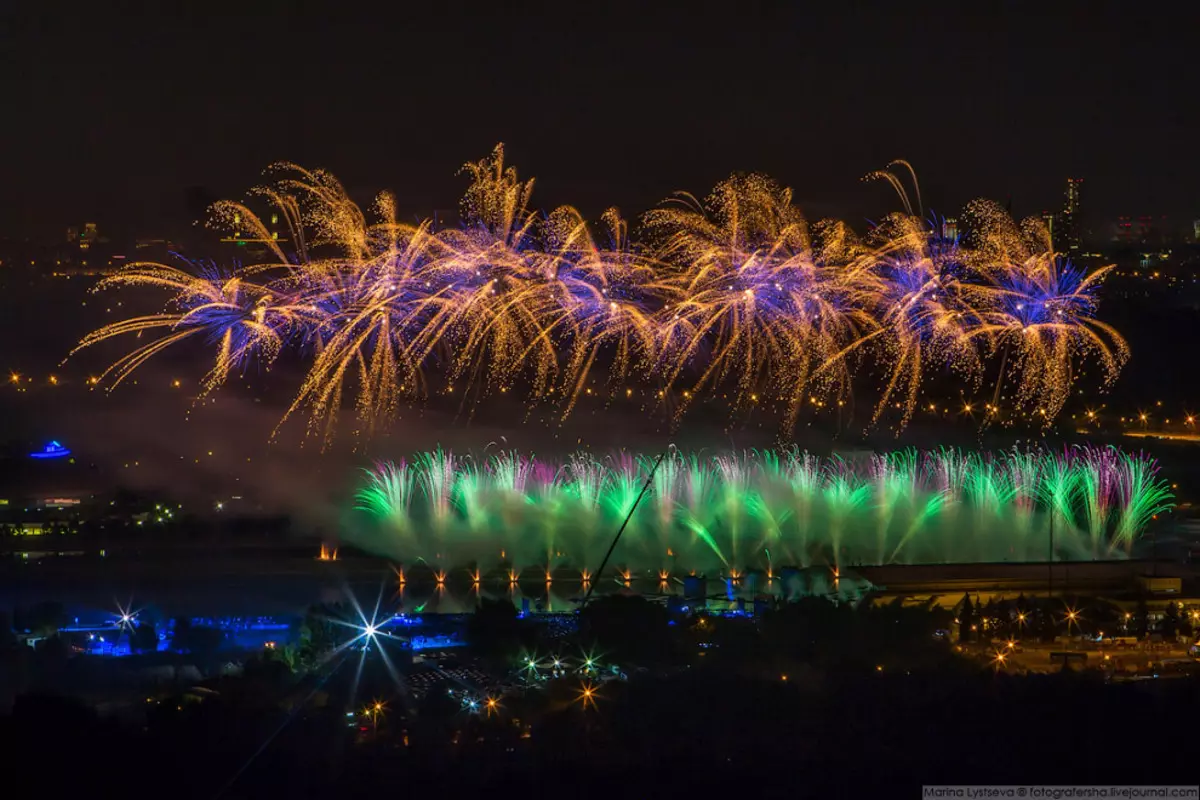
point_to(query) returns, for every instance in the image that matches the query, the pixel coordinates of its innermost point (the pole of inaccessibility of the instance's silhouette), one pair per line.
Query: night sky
(112, 115)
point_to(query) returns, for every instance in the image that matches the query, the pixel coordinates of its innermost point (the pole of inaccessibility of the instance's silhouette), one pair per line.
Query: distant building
(86, 251)
(1072, 221)
(246, 233)
(44, 492)
(1050, 220)
(1140, 231)
(1196, 231)
(141, 244)
(950, 229)
(89, 236)
(1123, 230)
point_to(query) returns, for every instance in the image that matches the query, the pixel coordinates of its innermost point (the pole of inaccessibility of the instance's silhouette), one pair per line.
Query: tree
(143, 638)
(150, 614)
(50, 661)
(270, 668)
(627, 628)
(203, 643)
(43, 619)
(318, 636)
(1170, 621)
(1101, 616)
(7, 639)
(1005, 614)
(966, 620)
(988, 618)
(1141, 618)
(436, 716)
(494, 629)
(181, 636)
(1022, 604)
(54, 712)
(286, 654)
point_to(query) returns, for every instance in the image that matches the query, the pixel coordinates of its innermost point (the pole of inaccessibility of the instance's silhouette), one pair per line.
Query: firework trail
(732, 511)
(736, 298)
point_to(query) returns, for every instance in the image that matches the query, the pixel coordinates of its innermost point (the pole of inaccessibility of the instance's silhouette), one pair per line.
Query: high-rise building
(1072, 222)
(950, 229)
(1196, 230)
(1050, 220)
(89, 236)
(256, 233)
(1123, 230)
(1144, 230)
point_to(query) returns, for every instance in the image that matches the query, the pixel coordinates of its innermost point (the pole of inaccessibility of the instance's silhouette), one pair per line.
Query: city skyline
(1066, 222)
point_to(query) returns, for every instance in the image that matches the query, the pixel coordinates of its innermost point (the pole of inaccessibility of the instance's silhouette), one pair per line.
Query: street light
(375, 711)
(587, 695)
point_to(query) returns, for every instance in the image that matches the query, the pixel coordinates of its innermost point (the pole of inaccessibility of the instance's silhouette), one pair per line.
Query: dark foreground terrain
(686, 735)
(632, 698)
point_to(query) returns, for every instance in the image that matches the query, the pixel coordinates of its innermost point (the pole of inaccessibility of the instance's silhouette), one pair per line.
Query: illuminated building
(52, 450)
(1141, 230)
(241, 238)
(950, 229)
(1050, 220)
(1072, 224)
(85, 239)
(1123, 230)
(161, 244)
(42, 493)
(1196, 230)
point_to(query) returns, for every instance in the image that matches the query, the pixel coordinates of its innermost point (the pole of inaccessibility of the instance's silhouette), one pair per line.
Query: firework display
(736, 297)
(760, 509)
